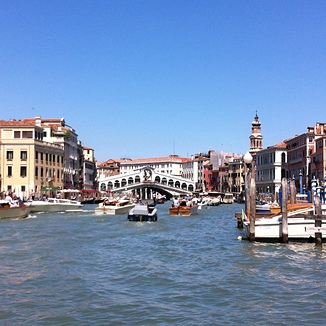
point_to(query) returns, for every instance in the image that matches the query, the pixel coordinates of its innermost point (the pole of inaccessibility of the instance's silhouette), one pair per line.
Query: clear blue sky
(156, 77)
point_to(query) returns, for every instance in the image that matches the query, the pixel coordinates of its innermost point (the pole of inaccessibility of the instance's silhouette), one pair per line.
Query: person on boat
(8, 198)
(175, 202)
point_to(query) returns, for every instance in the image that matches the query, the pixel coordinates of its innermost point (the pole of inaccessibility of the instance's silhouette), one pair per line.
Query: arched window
(283, 157)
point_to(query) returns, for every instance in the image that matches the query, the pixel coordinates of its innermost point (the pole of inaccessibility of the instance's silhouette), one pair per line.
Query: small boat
(204, 203)
(183, 210)
(215, 201)
(8, 211)
(113, 206)
(143, 213)
(228, 198)
(160, 200)
(276, 209)
(262, 207)
(55, 205)
(88, 201)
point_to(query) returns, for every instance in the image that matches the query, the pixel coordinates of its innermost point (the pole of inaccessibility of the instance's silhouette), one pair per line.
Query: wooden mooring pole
(318, 211)
(285, 232)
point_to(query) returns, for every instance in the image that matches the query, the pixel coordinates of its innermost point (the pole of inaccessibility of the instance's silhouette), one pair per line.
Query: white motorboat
(143, 213)
(8, 211)
(215, 201)
(263, 207)
(112, 206)
(270, 229)
(228, 198)
(204, 203)
(54, 205)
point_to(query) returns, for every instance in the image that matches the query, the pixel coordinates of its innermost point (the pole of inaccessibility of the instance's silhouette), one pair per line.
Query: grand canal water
(82, 269)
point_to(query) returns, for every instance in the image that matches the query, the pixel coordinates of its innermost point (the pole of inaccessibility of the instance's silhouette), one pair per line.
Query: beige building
(28, 164)
(88, 169)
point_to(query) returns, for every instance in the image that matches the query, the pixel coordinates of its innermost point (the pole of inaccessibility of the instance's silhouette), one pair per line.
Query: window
(23, 188)
(27, 134)
(16, 134)
(42, 172)
(36, 172)
(23, 171)
(10, 155)
(23, 155)
(9, 170)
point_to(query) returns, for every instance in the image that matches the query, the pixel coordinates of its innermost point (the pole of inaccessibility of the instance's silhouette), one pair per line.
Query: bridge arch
(147, 178)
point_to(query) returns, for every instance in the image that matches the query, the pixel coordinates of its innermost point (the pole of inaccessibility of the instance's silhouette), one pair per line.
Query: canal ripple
(82, 268)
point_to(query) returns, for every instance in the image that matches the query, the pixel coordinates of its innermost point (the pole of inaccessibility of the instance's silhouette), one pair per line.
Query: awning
(45, 188)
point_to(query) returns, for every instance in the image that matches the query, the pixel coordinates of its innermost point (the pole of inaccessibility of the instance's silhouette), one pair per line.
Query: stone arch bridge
(146, 180)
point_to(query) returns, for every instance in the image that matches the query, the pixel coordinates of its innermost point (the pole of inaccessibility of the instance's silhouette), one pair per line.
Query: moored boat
(143, 213)
(263, 207)
(88, 201)
(228, 198)
(290, 207)
(270, 229)
(8, 212)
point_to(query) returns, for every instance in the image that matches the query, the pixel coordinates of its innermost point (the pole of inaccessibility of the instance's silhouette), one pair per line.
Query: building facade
(271, 167)
(28, 163)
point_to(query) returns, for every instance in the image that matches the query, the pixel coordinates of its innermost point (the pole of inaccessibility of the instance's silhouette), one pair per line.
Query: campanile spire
(256, 139)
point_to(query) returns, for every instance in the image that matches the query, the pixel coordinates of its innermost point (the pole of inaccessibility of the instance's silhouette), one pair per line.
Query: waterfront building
(318, 161)
(172, 164)
(235, 175)
(29, 164)
(88, 169)
(271, 167)
(56, 131)
(109, 168)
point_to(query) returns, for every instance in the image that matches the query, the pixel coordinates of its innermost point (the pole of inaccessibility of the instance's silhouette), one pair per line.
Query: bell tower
(256, 139)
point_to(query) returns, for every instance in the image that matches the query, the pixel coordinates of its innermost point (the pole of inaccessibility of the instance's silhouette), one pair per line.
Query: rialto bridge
(143, 182)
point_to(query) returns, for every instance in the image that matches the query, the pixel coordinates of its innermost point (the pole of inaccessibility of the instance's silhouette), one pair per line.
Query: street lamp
(247, 159)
